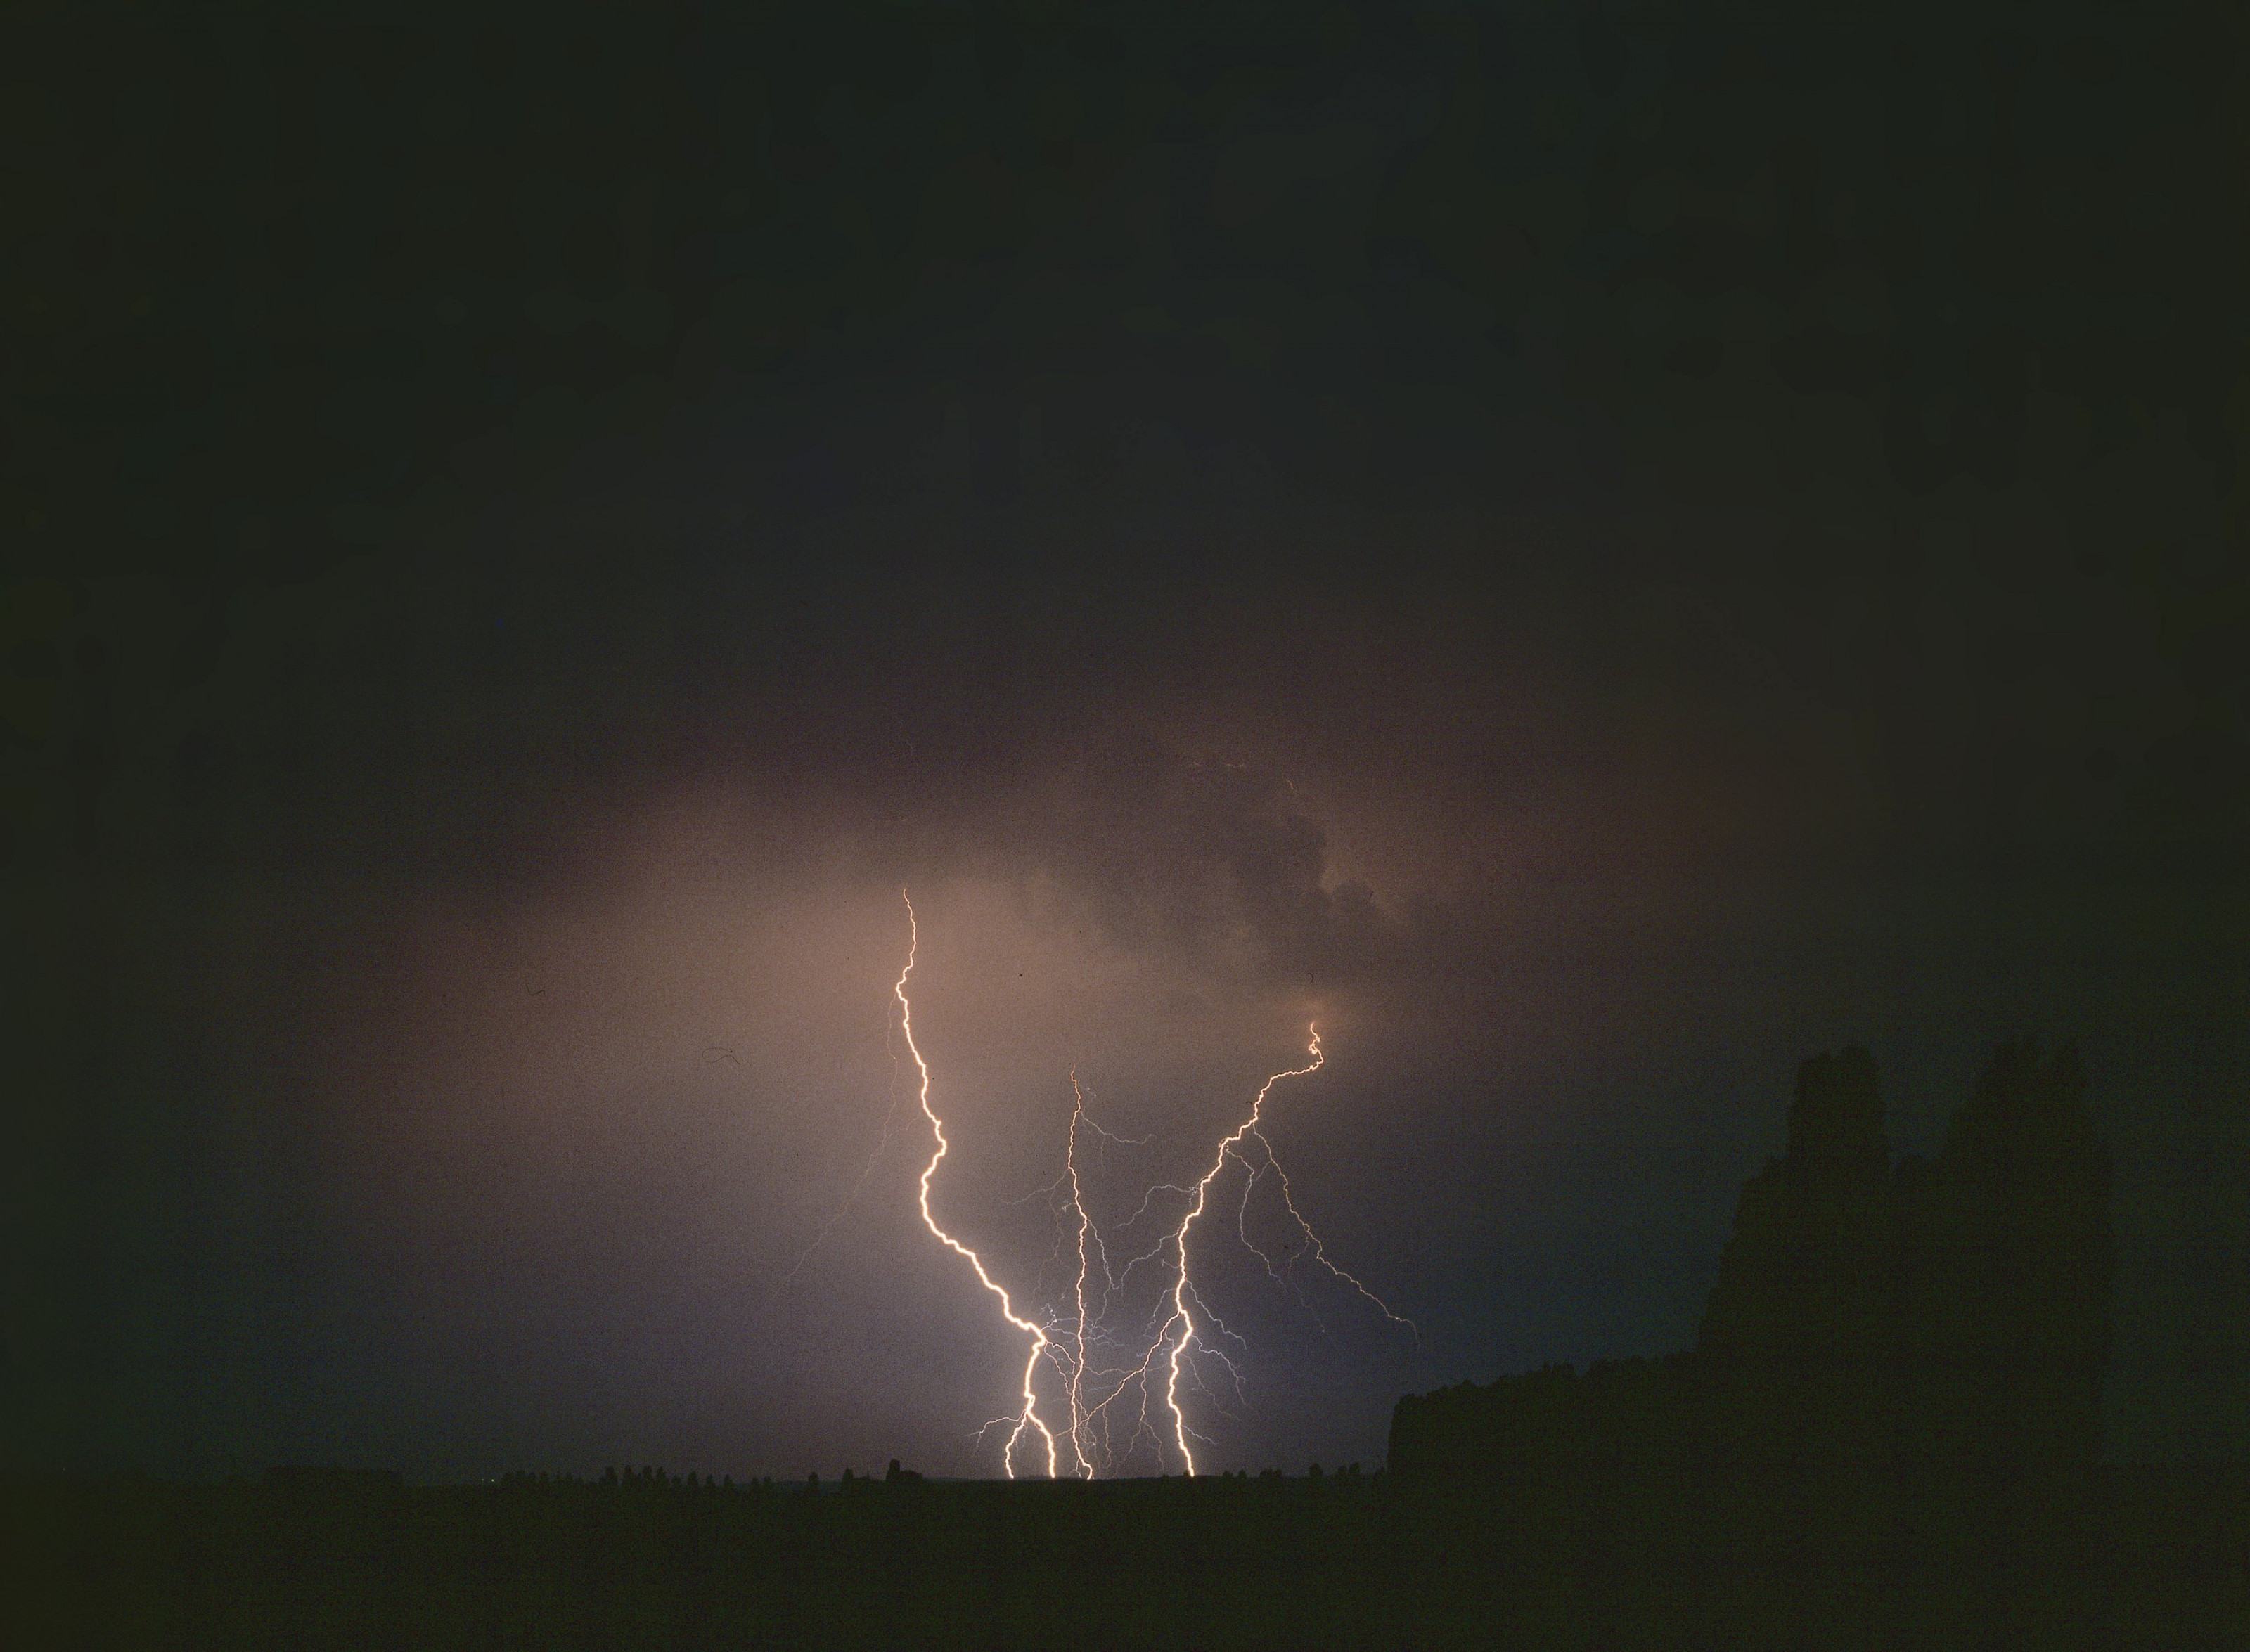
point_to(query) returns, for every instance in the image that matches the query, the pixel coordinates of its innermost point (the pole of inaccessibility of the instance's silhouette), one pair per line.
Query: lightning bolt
(1077, 1373)
(1180, 1334)
(1175, 1333)
(1182, 1316)
(1028, 1418)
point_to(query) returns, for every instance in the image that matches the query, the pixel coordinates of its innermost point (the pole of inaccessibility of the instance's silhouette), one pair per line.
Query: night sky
(1596, 551)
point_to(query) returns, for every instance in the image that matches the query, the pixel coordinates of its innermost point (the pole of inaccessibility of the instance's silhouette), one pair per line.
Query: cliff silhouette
(1907, 1353)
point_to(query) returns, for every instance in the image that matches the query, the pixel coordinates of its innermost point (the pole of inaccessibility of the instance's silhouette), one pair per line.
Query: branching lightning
(1182, 1289)
(1029, 1416)
(1077, 1371)
(1176, 1333)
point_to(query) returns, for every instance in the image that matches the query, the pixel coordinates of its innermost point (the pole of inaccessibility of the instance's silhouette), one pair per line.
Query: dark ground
(1339, 1561)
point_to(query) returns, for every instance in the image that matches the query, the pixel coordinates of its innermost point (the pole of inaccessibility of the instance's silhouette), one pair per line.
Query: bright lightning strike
(1077, 1373)
(1182, 1316)
(1174, 1336)
(1029, 1416)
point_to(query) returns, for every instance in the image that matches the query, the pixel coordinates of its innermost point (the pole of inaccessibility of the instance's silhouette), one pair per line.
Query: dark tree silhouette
(1799, 1335)
(1913, 1354)
(2008, 1269)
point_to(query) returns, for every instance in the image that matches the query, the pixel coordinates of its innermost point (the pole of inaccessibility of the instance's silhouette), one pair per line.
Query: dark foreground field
(2162, 1559)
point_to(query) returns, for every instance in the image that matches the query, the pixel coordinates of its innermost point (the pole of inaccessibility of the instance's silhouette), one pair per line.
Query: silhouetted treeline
(644, 1558)
(1889, 1355)
(1600, 1557)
